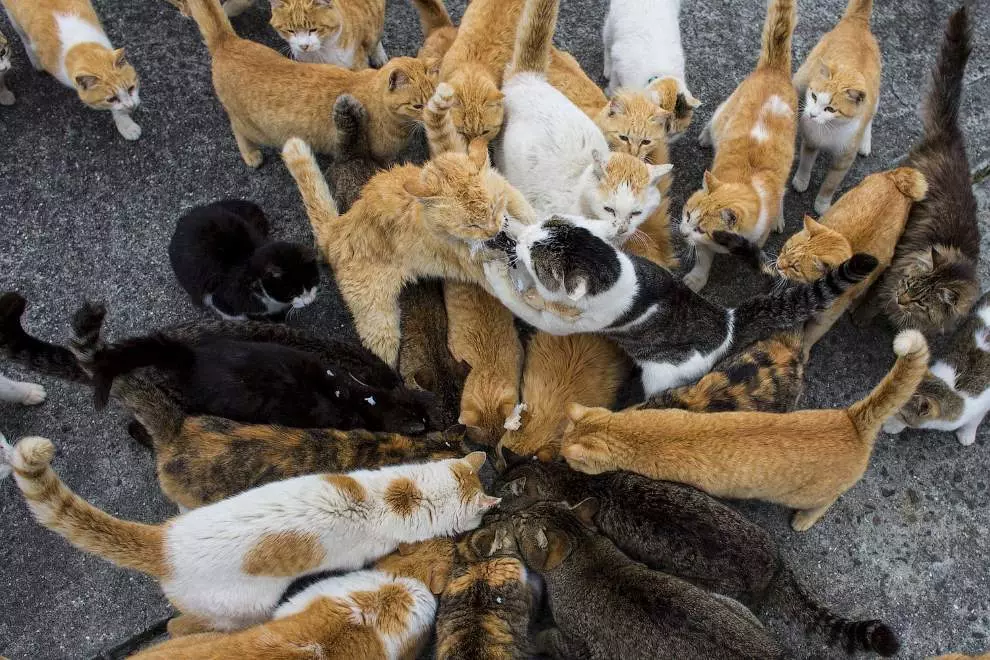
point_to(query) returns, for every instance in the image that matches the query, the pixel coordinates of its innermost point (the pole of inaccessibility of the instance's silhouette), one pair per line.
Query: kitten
(955, 393)
(482, 334)
(606, 605)
(6, 96)
(634, 302)
(751, 455)
(933, 280)
(840, 84)
(15, 391)
(643, 48)
(226, 565)
(222, 256)
(353, 166)
(270, 98)
(752, 133)
(66, 39)
(425, 361)
(345, 33)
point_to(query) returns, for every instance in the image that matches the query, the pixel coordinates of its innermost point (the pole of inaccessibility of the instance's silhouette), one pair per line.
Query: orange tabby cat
(804, 460)
(270, 98)
(840, 83)
(753, 136)
(482, 333)
(347, 33)
(66, 39)
(869, 219)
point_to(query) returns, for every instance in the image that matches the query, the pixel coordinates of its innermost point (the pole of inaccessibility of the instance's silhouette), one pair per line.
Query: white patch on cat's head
(304, 41)
(817, 107)
(304, 299)
(982, 335)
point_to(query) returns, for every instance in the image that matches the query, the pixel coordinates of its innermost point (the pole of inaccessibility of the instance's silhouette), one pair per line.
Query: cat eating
(345, 33)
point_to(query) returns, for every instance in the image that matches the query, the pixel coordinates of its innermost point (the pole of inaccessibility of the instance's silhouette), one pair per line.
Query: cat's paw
(822, 204)
(443, 98)
(800, 181)
(31, 394)
(804, 520)
(966, 436)
(253, 158)
(7, 97)
(695, 281)
(705, 137)
(128, 129)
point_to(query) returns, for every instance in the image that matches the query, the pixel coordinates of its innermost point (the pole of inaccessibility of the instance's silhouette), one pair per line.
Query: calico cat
(226, 565)
(270, 98)
(840, 83)
(678, 530)
(634, 302)
(751, 455)
(353, 166)
(955, 393)
(933, 281)
(28, 394)
(66, 39)
(605, 605)
(752, 133)
(222, 256)
(6, 96)
(346, 33)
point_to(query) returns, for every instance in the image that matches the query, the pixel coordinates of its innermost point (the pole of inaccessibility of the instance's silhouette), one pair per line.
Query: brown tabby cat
(270, 98)
(346, 33)
(804, 460)
(6, 96)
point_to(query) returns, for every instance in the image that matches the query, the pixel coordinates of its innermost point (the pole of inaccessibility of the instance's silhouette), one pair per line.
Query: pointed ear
(119, 58)
(437, 579)
(616, 107)
(811, 226)
(586, 510)
(406, 549)
(729, 218)
(509, 457)
(484, 542)
(856, 95)
(476, 459)
(557, 550)
(433, 67)
(487, 501)
(397, 79)
(423, 378)
(469, 418)
(478, 153)
(597, 164)
(275, 4)
(576, 412)
(937, 257)
(708, 182)
(419, 188)
(580, 290)
(517, 486)
(825, 71)
(85, 81)
(658, 171)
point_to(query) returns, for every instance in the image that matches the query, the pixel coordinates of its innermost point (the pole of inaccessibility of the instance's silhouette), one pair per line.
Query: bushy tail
(896, 387)
(319, 203)
(432, 15)
(872, 635)
(124, 357)
(534, 37)
(910, 182)
(775, 52)
(158, 413)
(940, 112)
(20, 347)
(859, 9)
(212, 21)
(745, 249)
(127, 544)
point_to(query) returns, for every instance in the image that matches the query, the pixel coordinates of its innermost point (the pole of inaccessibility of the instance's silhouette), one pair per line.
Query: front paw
(253, 159)
(128, 129)
(32, 394)
(6, 97)
(800, 181)
(966, 437)
(443, 98)
(695, 280)
(822, 204)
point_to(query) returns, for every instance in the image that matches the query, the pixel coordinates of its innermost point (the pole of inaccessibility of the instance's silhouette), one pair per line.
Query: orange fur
(359, 23)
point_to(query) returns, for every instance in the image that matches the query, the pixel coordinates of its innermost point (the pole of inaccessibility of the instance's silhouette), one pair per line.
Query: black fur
(18, 346)
(572, 254)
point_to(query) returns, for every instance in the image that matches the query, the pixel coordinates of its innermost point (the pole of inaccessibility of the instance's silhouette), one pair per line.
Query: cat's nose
(903, 299)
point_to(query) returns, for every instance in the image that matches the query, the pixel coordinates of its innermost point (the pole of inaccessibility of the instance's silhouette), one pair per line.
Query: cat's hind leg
(372, 295)
(378, 57)
(802, 177)
(236, 7)
(6, 96)
(15, 391)
(804, 519)
(26, 40)
(250, 151)
(967, 434)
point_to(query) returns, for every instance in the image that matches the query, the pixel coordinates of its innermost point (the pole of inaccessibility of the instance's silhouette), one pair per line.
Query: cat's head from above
(673, 97)
(478, 109)
(4, 54)
(634, 124)
(286, 273)
(305, 24)
(810, 253)
(933, 401)
(407, 83)
(430, 562)
(105, 80)
(718, 206)
(547, 533)
(494, 538)
(526, 480)
(485, 405)
(835, 95)
(625, 194)
(586, 443)
(935, 288)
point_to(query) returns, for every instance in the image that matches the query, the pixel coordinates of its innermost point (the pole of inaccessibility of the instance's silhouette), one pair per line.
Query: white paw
(31, 394)
(865, 149)
(800, 182)
(965, 438)
(695, 281)
(6, 97)
(779, 225)
(443, 98)
(822, 204)
(129, 130)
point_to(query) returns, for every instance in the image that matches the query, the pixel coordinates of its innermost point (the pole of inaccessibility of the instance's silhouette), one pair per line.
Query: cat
(750, 455)
(933, 280)
(678, 530)
(955, 393)
(840, 84)
(752, 133)
(482, 334)
(345, 33)
(222, 256)
(425, 361)
(269, 98)
(66, 39)
(438, 29)
(605, 605)
(6, 96)
(485, 609)
(28, 394)
(226, 565)
(634, 302)
(232, 8)
(354, 165)
(643, 48)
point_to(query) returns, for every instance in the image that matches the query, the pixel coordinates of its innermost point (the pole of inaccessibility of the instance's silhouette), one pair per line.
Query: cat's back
(215, 233)
(871, 216)
(52, 23)
(947, 215)
(486, 36)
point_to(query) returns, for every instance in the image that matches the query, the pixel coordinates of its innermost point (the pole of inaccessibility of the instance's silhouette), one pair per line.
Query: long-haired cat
(840, 85)
(227, 564)
(752, 133)
(804, 460)
(955, 393)
(66, 39)
(606, 605)
(222, 256)
(270, 98)
(933, 280)
(346, 33)
(6, 96)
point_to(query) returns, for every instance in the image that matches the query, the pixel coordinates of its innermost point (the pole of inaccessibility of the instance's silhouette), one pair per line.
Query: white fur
(828, 131)
(660, 376)
(308, 47)
(642, 41)
(14, 391)
(306, 298)
(514, 421)
(72, 31)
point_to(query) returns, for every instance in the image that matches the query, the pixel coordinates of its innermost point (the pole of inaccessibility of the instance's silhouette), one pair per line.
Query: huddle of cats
(334, 495)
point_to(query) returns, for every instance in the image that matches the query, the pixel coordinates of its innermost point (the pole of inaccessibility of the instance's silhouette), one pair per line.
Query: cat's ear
(433, 67)
(485, 501)
(275, 4)
(478, 153)
(824, 70)
(855, 95)
(949, 297)
(687, 98)
(938, 257)
(658, 171)
(586, 510)
(476, 459)
(812, 226)
(437, 578)
(576, 412)
(554, 546)
(119, 58)
(84, 81)
(462, 369)
(423, 379)
(485, 542)
(616, 107)
(597, 164)
(709, 183)
(579, 290)
(924, 405)
(397, 79)
(516, 487)
(729, 218)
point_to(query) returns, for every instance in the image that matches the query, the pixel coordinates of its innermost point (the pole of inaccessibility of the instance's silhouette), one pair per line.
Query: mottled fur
(347, 33)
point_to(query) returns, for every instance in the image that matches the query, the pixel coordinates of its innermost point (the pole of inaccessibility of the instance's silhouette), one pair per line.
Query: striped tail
(940, 111)
(40, 356)
(775, 53)
(890, 395)
(159, 415)
(320, 205)
(534, 37)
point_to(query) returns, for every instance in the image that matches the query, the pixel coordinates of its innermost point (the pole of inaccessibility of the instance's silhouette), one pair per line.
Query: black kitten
(222, 257)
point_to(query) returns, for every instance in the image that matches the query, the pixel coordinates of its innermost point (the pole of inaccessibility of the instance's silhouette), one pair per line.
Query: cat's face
(287, 273)
(834, 95)
(105, 80)
(4, 54)
(634, 124)
(812, 252)
(409, 84)
(305, 24)
(718, 206)
(934, 288)
(626, 193)
(933, 401)
(585, 444)
(477, 111)
(547, 533)
(673, 97)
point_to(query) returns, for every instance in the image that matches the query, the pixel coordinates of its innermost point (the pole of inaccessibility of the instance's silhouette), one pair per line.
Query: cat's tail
(940, 111)
(859, 9)
(127, 544)
(752, 254)
(124, 357)
(775, 53)
(20, 347)
(534, 37)
(432, 15)
(320, 205)
(897, 386)
(910, 182)
(158, 413)
(212, 21)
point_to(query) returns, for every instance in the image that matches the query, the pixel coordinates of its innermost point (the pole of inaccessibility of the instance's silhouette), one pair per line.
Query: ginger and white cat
(226, 565)
(346, 33)
(66, 39)
(752, 133)
(6, 96)
(840, 85)
(804, 460)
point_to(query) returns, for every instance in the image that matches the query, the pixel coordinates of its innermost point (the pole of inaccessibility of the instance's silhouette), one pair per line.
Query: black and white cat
(674, 334)
(222, 257)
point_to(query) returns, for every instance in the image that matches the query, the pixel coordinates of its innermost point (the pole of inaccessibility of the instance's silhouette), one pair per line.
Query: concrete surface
(86, 214)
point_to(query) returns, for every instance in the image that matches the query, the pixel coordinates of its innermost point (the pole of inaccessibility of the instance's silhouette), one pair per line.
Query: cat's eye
(132, 89)
(814, 97)
(646, 142)
(418, 106)
(609, 209)
(312, 32)
(829, 108)
(112, 99)
(624, 138)
(4, 52)
(635, 214)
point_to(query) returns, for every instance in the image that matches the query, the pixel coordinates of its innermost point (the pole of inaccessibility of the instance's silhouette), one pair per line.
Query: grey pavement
(86, 214)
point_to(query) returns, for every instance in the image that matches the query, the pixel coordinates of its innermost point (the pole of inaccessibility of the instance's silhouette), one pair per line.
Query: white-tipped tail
(909, 341)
